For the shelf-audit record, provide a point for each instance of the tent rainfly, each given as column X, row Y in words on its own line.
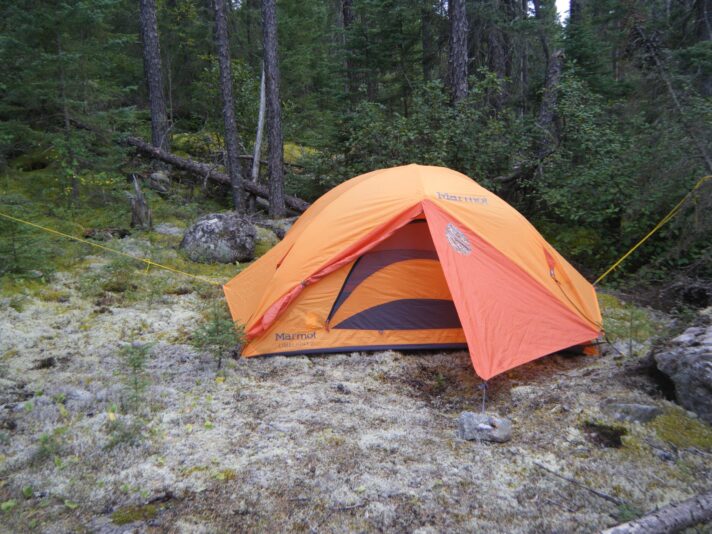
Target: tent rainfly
column 414, row 257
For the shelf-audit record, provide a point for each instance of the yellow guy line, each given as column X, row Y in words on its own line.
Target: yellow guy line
column 147, row 261
column 657, row 227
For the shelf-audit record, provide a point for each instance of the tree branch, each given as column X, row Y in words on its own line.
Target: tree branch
column 671, row 518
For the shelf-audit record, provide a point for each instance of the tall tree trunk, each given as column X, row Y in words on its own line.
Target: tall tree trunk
column 274, row 110
column 458, row 49
column 152, row 70
column 704, row 33
column 704, row 19
column 547, row 110
column 575, row 11
column 232, row 139
column 497, row 63
column 347, row 18
column 255, row 174
column 427, row 38
column 524, row 63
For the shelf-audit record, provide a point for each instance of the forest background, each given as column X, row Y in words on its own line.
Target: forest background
column 592, row 124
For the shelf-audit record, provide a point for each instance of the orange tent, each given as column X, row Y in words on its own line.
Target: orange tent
column 414, row 257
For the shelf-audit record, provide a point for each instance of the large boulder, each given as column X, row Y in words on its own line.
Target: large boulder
column 221, row 238
column 688, row 363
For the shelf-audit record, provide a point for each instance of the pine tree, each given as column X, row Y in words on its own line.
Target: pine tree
column 232, row 139
column 154, row 77
column 274, row 110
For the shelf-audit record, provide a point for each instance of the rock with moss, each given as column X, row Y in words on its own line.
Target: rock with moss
column 688, row 363
column 279, row 227
column 220, row 238
column 266, row 239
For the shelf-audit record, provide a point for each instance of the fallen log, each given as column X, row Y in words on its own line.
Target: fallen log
column 671, row 518
column 203, row 169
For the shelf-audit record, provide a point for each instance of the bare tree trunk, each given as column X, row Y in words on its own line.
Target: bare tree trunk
column 575, row 11
column 141, row 216
column 524, row 64
column 498, row 63
column 426, row 31
column 152, row 69
column 458, row 49
column 704, row 19
column 274, row 110
column 347, row 18
column 232, row 139
column 671, row 518
column 255, row 174
column 547, row 110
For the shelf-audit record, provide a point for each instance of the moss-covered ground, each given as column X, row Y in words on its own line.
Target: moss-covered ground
column 98, row 437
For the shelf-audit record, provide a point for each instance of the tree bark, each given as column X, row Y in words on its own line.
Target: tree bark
column 671, row 518
column 232, row 139
column 274, row 109
column 547, row 110
column 207, row 171
column 426, row 34
column 575, row 11
column 458, row 49
column 498, row 63
column 347, row 18
column 141, row 216
column 152, row 70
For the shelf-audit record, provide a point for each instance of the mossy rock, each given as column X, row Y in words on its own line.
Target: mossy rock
column 129, row 514
column 266, row 239
column 678, row 429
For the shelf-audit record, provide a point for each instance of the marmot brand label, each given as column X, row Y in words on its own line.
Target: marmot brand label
column 299, row 336
column 468, row 199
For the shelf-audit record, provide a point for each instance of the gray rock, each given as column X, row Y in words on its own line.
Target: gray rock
column 688, row 363
column 167, row 229
column 280, row 227
column 688, row 336
column 221, row 238
column 484, row 427
column 641, row 413
column 266, row 239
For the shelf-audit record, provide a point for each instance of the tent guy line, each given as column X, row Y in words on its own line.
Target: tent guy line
column 149, row 263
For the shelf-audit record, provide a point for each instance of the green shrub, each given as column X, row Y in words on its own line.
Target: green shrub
column 218, row 333
column 133, row 359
